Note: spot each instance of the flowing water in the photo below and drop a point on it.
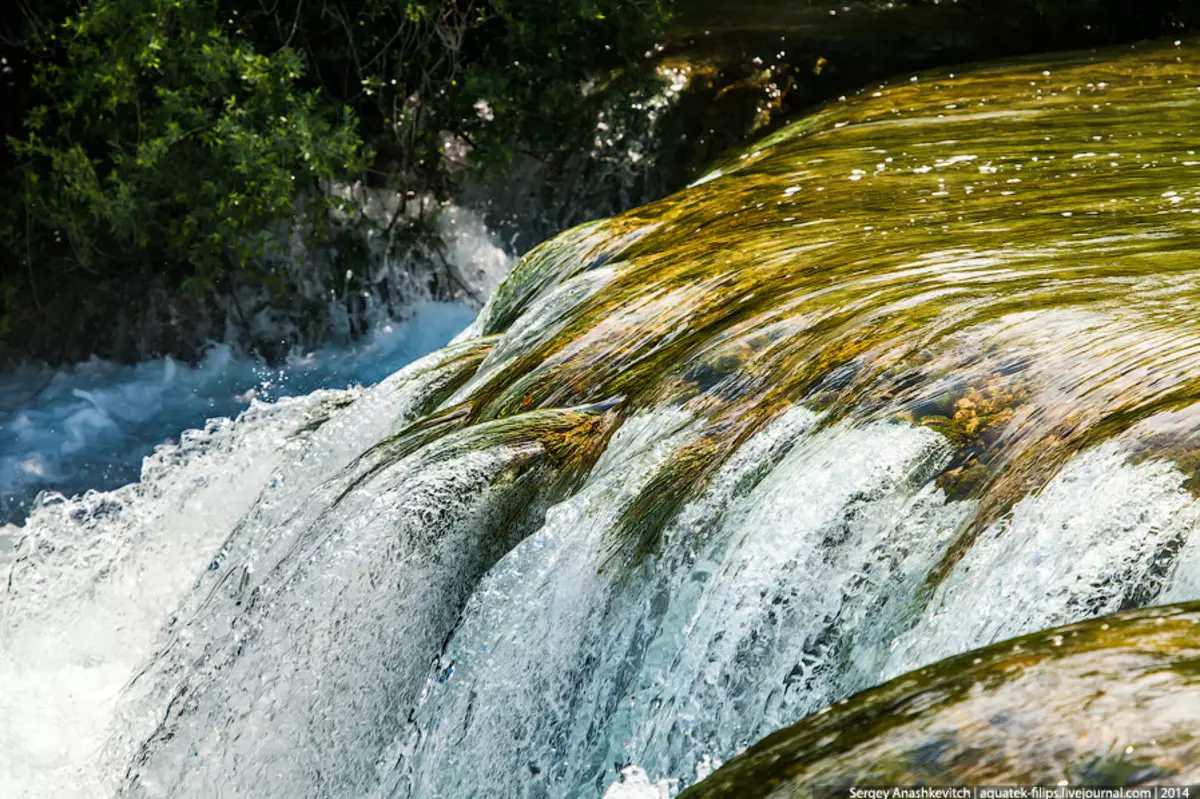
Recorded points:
(90, 427)
(914, 375)
(1102, 703)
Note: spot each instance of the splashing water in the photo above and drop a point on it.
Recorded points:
(90, 427)
(1103, 703)
(92, 579)
(911, 376)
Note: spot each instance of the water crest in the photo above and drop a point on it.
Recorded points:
(914, 375)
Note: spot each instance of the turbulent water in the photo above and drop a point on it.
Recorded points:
(1108, 702)
(914, 375)
(91, 426)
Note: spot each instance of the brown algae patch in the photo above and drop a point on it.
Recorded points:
(1007, 255)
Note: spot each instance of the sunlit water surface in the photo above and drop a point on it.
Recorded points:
(89, 427)
(917, 374)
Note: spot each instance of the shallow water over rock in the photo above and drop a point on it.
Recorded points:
(912, 376)
(1104, 703)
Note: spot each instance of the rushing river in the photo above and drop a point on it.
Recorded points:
(90, 427)
(915, 375)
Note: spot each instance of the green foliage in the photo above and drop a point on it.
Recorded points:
(534, 70)
(173, 138)
(166, 141)
(507, 74)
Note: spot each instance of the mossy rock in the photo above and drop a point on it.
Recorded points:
(1110, 701)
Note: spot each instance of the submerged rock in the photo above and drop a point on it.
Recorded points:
(906, 378)
(1109, 702)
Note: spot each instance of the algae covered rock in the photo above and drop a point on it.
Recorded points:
(1110, 702)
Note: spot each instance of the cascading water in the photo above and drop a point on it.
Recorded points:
(912, 376)
(1109, 702)
(89, 428)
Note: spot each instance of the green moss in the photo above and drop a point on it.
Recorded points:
(1020, 712)
(895, 258)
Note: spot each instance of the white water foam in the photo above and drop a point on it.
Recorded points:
(634, 783)
(590, 662)
(91, 581)
(794, 580)
(90, 426)
(1084, 546)
(287, 670)
(554, 579)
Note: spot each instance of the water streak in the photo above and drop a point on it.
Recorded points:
(913, 375)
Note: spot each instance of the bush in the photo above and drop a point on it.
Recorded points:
(164, 142)
(167, 140)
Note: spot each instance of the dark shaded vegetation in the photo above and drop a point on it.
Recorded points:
(164, 142)
(158, 153)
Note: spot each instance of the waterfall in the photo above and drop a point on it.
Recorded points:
(1106, 703)
(909, 378)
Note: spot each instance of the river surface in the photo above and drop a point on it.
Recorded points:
(88, 428)
(915, 375)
